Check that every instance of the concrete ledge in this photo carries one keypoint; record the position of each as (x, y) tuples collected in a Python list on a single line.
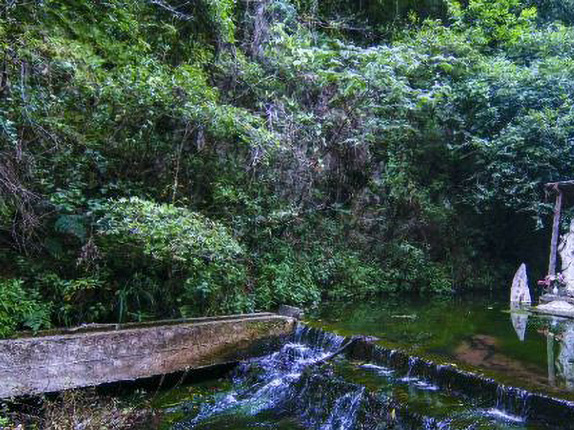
[(547, 298), (72, 359), (532, 406)]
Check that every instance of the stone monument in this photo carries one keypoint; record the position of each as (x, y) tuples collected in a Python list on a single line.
[(566, 251), (519, 293)]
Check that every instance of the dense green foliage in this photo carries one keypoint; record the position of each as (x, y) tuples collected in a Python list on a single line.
[(163, 248), (20, 308), (164, 158)]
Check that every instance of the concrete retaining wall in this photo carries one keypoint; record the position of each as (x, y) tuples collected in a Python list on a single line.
[(71, 359)]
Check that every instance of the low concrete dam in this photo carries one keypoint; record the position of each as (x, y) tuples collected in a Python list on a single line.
[(103, 354), (321, 381)]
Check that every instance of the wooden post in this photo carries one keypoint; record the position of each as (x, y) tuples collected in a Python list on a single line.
[(555, 233)]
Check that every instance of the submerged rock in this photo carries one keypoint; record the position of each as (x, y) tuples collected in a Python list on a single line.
[(519, 293), (367, 338)]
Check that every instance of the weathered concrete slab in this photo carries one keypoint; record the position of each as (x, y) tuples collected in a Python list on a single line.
[(102, 354)]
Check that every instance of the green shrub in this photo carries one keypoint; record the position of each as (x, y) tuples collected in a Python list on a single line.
[(409, 268), (345, 275), (502, 21), (20, 308), (358, 149), (193, 263), (285, 276), (84, 299)]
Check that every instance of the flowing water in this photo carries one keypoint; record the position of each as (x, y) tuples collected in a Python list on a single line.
[(310, 384), (478, 333)]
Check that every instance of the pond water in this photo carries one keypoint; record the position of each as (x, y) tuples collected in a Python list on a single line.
[(309, 385), (478, 333)]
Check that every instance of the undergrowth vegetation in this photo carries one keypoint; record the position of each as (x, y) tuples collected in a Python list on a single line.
[(167, 158), (79, 409)]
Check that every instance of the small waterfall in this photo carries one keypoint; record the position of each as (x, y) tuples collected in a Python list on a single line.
[(327, 404), (433, 424), (343, 414), (306, 382), (410, 374), (317, 339), (381, 370), (280, 381), (416, 375), (389, 356), (512, 404)]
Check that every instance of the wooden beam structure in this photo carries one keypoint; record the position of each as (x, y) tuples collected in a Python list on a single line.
[(555, 232), (560, 188), (564, 184)]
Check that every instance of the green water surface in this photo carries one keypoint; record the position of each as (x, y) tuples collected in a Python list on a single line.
[(478, 333)]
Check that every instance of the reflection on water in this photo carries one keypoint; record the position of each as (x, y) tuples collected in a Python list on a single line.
[(557, 330), (550, 360), (519, 320), (561, 330), (482, 351), (553, 328), (480, 333)]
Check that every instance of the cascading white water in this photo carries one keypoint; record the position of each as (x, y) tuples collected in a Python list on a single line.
[(511, 404), (343, 414), (296, 384), (278, 381), (410, 376)]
